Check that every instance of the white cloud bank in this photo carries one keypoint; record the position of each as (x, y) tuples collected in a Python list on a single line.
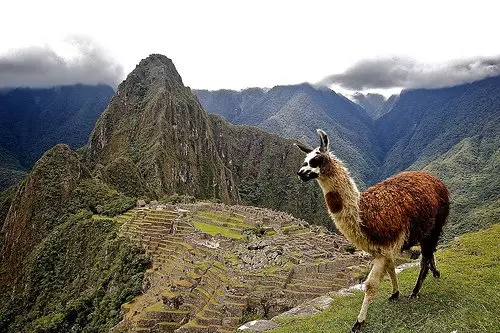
[(43, 66)]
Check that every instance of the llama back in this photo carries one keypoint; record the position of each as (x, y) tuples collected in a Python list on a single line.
[(406, 201)]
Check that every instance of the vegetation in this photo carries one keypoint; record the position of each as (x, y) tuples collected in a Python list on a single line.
[(464, 299), (475, 189), (6, 197), (76, 279), (176, 198), (215, 229), (99, 198), (73, 272)]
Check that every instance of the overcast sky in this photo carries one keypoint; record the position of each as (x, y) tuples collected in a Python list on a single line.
[(353, 45)]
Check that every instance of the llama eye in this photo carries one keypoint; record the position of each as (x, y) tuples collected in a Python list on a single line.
[(315, 162)]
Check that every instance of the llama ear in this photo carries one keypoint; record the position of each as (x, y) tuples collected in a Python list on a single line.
[(303, 147), (324, 140)]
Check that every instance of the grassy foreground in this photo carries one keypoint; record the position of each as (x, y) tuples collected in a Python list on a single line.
[(465, 299)]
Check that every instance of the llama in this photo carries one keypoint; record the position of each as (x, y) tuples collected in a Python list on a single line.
[(395, 214)]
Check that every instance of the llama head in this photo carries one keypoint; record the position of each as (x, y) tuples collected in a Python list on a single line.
[(315, 159)]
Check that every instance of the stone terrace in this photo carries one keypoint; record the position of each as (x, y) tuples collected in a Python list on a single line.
[(216, 266)]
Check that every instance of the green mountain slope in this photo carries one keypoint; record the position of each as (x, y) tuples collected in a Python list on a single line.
[(471, 170), (426, 123), (61, 270), (263, 166), (34, 120)]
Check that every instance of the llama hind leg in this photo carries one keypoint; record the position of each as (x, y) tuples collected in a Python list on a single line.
[(372, 285), (424, 269), (440, 219), (432, 266), (391, 270)]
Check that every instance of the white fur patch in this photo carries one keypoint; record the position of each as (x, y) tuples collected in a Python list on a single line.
[(307, 159)]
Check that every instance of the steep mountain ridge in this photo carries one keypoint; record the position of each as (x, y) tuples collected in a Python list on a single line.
[(61, 269), (155, 139), (161, 135), (40, 200), (426, 123)]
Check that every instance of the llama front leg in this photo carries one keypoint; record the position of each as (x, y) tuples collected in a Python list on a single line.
[(372, 285), (391, 269)]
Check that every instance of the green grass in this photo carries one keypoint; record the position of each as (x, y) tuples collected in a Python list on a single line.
[(214, 229), (466, 298), (224, 218), (102, 217)]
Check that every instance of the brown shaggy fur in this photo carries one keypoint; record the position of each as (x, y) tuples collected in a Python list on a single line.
[(406, 202)]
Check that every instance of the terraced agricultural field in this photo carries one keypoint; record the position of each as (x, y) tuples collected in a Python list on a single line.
[(216, 266)]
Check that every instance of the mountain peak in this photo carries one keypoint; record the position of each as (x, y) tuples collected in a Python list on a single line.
[(156, 68)]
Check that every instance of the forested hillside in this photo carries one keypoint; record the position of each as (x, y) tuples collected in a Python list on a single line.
[(34, 120)]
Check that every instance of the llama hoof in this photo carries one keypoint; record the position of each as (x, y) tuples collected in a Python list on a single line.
[(357, 326), (413, 296), (436, 274), (394, 296)]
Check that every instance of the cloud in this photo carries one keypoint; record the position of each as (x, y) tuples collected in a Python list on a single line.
[(399, 72), (42, 66)]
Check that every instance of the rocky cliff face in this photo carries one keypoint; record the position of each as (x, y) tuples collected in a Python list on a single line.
[(158, 129), (36, 207)]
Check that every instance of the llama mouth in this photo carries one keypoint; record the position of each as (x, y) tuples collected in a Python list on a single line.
[(307, 176)]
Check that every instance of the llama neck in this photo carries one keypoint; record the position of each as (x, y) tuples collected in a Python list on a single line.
[(342, 199)]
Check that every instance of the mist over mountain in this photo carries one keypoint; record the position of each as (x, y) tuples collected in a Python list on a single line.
[(34, 120), (407, 73), (44, 67)]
